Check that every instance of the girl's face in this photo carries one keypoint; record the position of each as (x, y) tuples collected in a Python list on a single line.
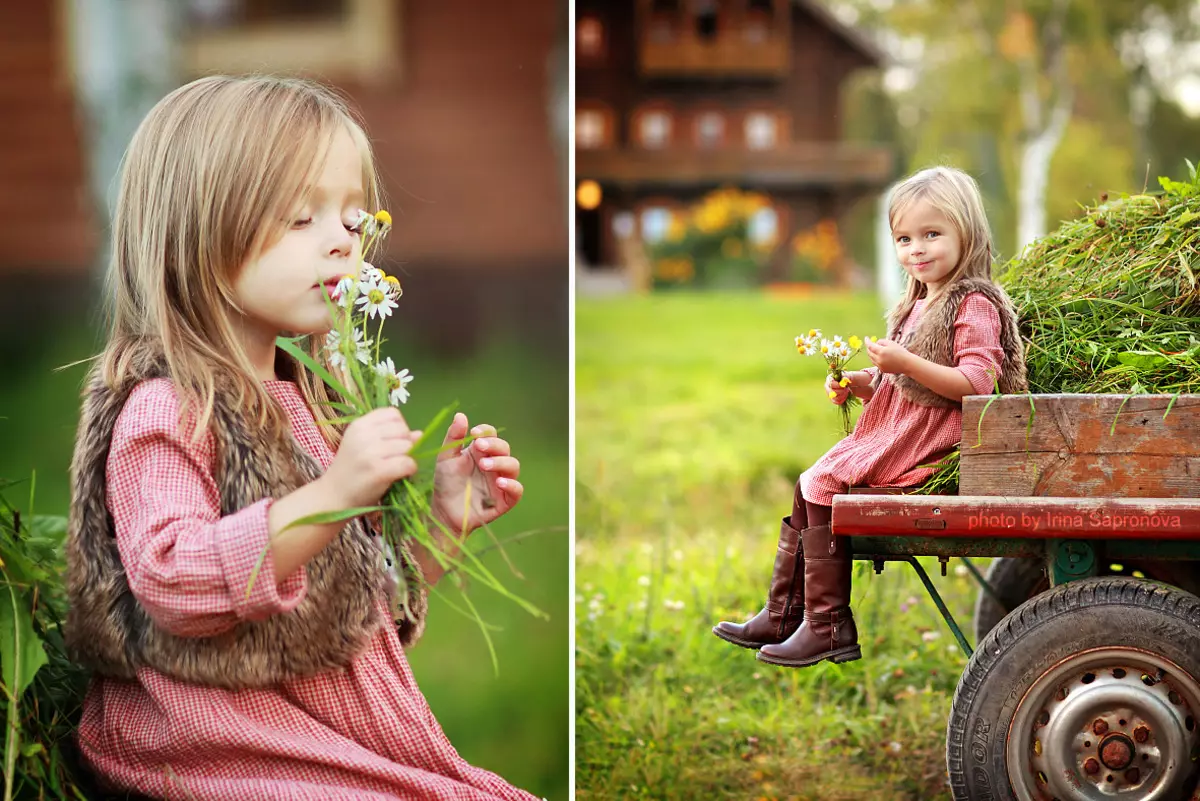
[(927, 244), (284, 289)]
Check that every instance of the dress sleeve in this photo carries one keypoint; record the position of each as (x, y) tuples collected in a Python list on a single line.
[(977, 351), (186, 564)]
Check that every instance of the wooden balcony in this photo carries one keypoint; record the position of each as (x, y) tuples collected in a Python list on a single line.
[(794, 166), (723, 56)]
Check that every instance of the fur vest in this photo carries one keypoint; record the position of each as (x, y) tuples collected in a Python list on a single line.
[(933, 339), (107, 629)]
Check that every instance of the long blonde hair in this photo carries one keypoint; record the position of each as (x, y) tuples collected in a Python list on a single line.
[(211, 173), (956, 195)]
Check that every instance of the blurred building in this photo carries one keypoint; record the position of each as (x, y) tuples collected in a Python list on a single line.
[(459, 97), (675, 98)]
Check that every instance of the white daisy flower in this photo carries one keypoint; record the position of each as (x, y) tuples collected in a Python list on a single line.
[(374, 299), (826, 347), (397, 382), (837, 340), (365, 223), (341, 292), (370, 275), (340, 350), (392, 285)]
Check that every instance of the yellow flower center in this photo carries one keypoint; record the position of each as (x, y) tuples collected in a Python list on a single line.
[(383, 217), (375, 296)]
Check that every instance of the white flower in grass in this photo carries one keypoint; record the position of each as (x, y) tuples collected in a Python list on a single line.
[(644, 581), (340, 350), (397, 382), (374, 299), (674, 606)]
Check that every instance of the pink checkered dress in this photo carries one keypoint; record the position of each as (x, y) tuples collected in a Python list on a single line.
[(894, 436), (361, 732)]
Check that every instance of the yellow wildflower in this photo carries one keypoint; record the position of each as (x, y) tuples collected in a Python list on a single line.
[(855, 342), (833, 395), (845, 382)]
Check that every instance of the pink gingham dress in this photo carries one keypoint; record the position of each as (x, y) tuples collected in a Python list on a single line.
[(894, 436), (359, 732)]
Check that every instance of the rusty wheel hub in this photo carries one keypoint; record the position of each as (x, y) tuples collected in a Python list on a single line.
[(1104, 723)]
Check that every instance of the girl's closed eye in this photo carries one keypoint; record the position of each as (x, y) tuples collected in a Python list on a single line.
[(301, 223)]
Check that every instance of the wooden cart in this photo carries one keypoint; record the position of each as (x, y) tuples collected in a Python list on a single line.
[(1085, 681)]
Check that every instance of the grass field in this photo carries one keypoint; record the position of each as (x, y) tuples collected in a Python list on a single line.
[(694, 417), (516, 724)]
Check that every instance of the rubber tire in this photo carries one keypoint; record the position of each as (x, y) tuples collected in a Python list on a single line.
[(1072, 617), (1017, 579)]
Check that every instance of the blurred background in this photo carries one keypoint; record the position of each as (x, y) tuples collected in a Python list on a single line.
[(733, 159), (468, 108)]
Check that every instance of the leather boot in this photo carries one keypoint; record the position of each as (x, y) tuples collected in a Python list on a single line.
[(828, 631), (785, 603)]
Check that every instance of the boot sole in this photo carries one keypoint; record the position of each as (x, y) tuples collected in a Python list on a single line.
[(727, 637), (847, 654)]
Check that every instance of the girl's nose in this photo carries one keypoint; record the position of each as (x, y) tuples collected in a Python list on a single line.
[(341, 242)]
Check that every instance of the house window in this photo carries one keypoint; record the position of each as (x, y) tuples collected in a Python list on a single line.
[(592, 128), (656, 222), (762, 130), (654, 128), (710, 129), (589, 38), (762, 229), (664, 20), (705, 14), (759, 16), (331, 38)]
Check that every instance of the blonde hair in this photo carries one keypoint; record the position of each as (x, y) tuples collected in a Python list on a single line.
[(209, 177), (956, 195)]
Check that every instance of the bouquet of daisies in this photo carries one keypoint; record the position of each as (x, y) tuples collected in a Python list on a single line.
[(359, 303), (836, 353)]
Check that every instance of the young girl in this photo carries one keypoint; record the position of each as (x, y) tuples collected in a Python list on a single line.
[(199, 443), (954, 334)]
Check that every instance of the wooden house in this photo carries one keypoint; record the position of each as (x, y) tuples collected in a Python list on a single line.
[(458, 96), (675, 98)]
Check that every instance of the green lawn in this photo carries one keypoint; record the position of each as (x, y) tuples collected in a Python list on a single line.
[(516, 724), (694, 418)]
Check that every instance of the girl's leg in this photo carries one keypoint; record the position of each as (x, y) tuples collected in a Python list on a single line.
[(784, 611), (828, 631)]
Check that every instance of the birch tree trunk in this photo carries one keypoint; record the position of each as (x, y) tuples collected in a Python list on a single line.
[(124, 56), (1044, 125)]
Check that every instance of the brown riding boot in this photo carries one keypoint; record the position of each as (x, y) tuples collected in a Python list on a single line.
[(828, 631), (785, 603)]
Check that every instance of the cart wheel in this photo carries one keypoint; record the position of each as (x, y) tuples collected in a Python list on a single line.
[(1088, 691), (1016, 580)]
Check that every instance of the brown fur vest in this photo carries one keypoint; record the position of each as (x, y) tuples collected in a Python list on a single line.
[(933, 339), (109, 631)]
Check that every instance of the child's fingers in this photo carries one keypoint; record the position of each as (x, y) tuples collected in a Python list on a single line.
[(501, 465), (512, 489), (456, 431), (484, 430), (492, 446)]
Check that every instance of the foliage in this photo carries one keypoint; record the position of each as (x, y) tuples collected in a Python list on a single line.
[(42, 688), (710, 244), (816, 252), (688, 448)]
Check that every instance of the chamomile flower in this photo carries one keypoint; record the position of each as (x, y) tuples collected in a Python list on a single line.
[(393, 287), (397, 382), (375, 299), (341, 292), (826, 347), (365, 223), (340, 350), (370, 275)]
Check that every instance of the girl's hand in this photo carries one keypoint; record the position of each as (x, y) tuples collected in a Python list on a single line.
[(889, 356), (373, 455), (483, 475), (837, 392)]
